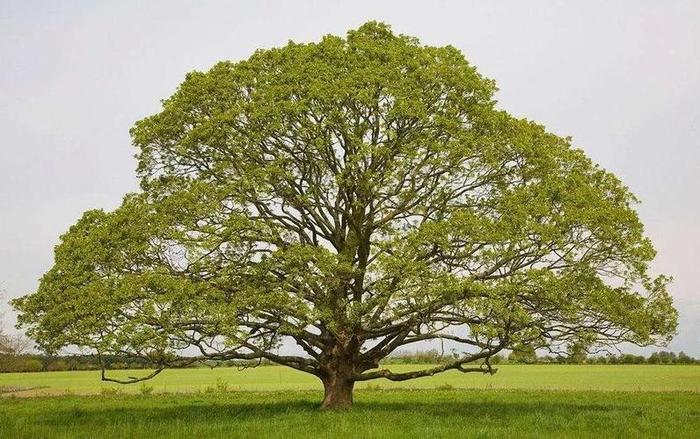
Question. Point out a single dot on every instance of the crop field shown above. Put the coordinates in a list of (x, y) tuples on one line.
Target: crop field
[(519, 401)]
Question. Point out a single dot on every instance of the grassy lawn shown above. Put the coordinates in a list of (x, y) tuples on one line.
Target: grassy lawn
[(519, 401), (377, 414), (535, 377)]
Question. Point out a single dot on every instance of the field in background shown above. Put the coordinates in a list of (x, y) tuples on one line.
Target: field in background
[(562, 401), (270, 378)]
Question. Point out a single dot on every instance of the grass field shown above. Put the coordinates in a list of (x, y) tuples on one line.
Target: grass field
[(519, 401), (535, 377)]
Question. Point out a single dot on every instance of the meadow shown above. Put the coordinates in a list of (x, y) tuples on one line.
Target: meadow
[(519, 401), (272, 378)]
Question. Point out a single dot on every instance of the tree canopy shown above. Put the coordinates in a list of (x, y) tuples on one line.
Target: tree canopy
[(353, 196)]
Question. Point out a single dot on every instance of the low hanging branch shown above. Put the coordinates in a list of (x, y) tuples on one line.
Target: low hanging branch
[(458, 365), (130, 380)]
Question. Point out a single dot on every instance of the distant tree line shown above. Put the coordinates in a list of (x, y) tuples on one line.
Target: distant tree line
[(528, 356), (47, 363), (662, 357), (24, 362)]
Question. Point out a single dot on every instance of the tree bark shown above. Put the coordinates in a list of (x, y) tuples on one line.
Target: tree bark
[(337, 392)]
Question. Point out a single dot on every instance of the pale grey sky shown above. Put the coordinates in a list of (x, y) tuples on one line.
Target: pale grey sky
[(621, 77)]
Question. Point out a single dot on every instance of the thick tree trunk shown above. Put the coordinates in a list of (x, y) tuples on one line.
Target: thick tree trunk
[(337, 392), (338, 372)]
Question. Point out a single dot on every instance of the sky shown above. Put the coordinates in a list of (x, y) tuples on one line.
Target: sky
[(622, 78)]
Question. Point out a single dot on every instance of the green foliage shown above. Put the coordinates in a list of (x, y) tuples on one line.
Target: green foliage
[(523, 354), (110, 391), (57, 366), (145, 389), (577, 353), (431, 356), (354, 195), (220, 386), (20, 363)]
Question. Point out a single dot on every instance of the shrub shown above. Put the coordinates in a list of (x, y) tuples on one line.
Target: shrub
[(110, 391), (57, 365), (145, 389)]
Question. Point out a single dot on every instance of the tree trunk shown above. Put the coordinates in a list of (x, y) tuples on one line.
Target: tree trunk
[(337, 392)]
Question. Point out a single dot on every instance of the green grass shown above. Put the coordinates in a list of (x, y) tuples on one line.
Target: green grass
[(551, 377), (377, 414), (519, 401)]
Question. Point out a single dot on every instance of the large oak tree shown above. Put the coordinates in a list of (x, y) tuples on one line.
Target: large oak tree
[(353, 196)]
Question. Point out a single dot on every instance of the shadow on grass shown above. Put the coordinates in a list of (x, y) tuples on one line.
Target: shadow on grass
[(209, 410)]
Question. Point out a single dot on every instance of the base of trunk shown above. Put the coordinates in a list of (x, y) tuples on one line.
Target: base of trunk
[(337, 394)]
